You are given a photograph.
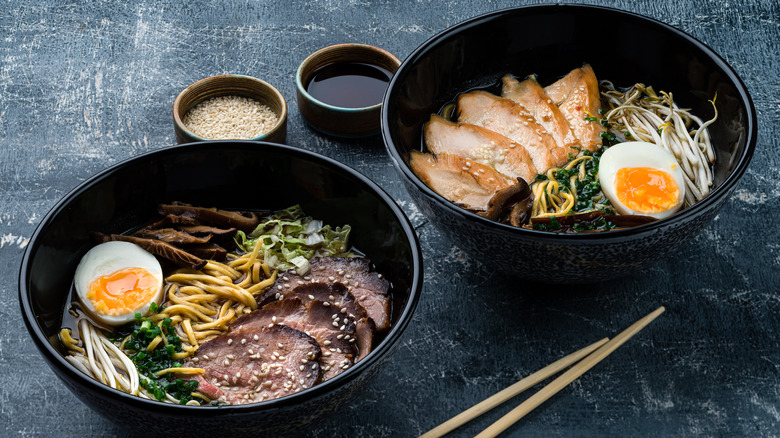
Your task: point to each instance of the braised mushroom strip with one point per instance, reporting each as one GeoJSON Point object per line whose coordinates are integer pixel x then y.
{"type": "Point", "coordinates": [288, 306]}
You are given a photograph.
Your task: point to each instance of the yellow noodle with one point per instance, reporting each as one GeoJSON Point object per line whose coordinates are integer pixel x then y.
{"type": "Point", "coordinates": [188, 330]}
{"type": "Point", "coordinates": [152, 345]}
{"type": "Point", "coordinates": [254, 290]}
{"type": "Point", "coordinates": [200, 334]}
{"type": "Point", "coordinates": [179, 370]}
{"type": "Point", "coordinates": [70, 343]}
{"type": "Point", "coordinates": [256, 272]}
{"type": "Point", "coordinates": [224, 269]}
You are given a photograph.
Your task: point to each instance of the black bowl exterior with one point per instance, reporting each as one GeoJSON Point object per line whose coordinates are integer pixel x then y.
{"type": "Point", "coordinates": [549, 41]}
{"type": "Point", "coordinates": [227, 174]}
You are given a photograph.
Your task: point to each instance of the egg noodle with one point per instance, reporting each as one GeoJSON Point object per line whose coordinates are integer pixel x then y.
{"type": "Point", "coordinates": [556, 198]}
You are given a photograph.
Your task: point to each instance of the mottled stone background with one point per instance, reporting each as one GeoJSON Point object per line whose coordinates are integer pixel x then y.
{"type": "Point", "coordinates": [84, 85]}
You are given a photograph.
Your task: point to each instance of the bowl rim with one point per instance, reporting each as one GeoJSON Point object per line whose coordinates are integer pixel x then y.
{"type": "Point", "coordinates": [392, 337]}
{"type": "Point", "coordinates": [277, 95]}
{"type": "Point", "coordinates": [714, 197]}
{"type": "Point", "coordinates": [341, 109]}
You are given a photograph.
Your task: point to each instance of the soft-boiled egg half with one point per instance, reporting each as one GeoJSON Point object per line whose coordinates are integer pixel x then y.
{"type": "Point", "coordinates": [642, 178]}
{"type": "Point", "coordinates": [116, 280]}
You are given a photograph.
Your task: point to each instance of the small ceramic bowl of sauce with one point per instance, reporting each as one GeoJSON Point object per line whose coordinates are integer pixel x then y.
{"type": "Point", "coordinates": [340, 88]}
{"type": "Point", "coordinates": [230, 107]}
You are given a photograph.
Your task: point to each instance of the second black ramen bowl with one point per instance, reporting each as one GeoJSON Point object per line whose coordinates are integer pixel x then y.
{"type": "Point", "coordinates": [549, 41]}
{"type": "Point", "coordinates": [228, 175]}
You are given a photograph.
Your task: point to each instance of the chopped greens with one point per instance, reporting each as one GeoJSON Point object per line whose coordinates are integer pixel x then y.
{"type": "Point", "coordinates": [139, 334]}
{"type": "Point", "coordinates": [289, 239]}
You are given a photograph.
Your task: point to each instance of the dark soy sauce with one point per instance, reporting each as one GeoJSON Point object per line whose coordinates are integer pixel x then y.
{"type": "Point", "coordinates": [349, 84]}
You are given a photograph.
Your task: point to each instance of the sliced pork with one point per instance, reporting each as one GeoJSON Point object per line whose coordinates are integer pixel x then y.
{"type": "Point", "coordinates": [480, 145]}
{"type": "Point", "coordinates": [577, 96]}
{"type": "Point", "coordinates": [253, 364]}
{"type": "Point", "coordinates": [333, 296]}
{"type": "Point", "coordinates": [331, 329]}
{"type": "Point", "coordinates": [513, 121]}
{"type": "Point", "coordinates": [532, 97]}
{"type": "Point", "coordinates": [369, 288]}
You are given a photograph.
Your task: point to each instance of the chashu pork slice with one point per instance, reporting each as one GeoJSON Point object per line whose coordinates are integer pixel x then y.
{"type": "Point", "coordinates": [481, 145]}
{"type": "Point", "coordinates": [532, 97]}
{"type": "Point", "coordinates": [514, 121]}
{"type": "Point", "coordinates": [257, 363]}
{"type": "Point", "coordinates": [370, 289]}
{"type": "Point", "coordinates": [462, 181]}
{"type": "Point", "coordinates": [332, 295]}
{"type": "Point", "coordinates": [577, 96]}
{"type": "Point", "coordinates": [314, 319]}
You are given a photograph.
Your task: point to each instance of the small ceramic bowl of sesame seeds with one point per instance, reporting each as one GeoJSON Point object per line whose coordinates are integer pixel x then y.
{"type": "Point", "coordinates": [230, 107]}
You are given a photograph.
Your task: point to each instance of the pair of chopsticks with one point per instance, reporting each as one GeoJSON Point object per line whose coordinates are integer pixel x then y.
{"type": "Point", "coordinates": [592, 355]}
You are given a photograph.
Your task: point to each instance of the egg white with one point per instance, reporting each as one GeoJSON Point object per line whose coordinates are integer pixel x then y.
{"type": "Point", "coordinates": [638, 154]}
{"type": "Point", "coordinates": [110, 257]}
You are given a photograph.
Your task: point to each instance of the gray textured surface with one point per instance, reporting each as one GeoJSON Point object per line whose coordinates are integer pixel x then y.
{"type": "Point", "coordinates": [84, 85]}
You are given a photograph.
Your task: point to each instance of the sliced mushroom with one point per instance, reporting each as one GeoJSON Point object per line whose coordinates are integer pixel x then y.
{"type": "Point", "coordinates": [512, 204]}
{"type": "Point", "coordinates": [221, 218]}
{"type": "Point", "coordinates": [171, 236]}
{"type": "Point", "coordinates": [164, 250]}
{"type": "Point", "coordinates": [205, 229]}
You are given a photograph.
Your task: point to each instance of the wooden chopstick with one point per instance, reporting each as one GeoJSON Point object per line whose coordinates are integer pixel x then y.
{"type": "Point", "coordinates": [513, 390]}
{"type": "Point", "coordinates": [569, 376]}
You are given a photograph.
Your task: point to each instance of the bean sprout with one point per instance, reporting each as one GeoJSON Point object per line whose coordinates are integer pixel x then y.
{"type": "Point", "coordinates": [101, 359]}
{"type": "Point", "coordinates": [642, 114]}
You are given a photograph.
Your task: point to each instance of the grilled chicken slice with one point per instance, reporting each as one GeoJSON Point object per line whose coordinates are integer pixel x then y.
{"type": "Point", "coordinates": [577, 96]}
{"type": "Point", "coordinates": [480, 145]}
{"type": "Point", "coordinates": [458, 179]}
{"type": "Point", "coordinates": [513, 121]}
{"type": "Point", "coordinates": [532, 97]}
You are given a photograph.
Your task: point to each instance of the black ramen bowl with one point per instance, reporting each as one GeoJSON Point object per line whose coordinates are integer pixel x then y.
{"type": "Point", "coordinates": [549, 41]}
{"type": "Point", "coordinates": [229, 175]}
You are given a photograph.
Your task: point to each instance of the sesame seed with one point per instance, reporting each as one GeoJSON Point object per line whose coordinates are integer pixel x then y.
{"type": "Point", "coordinates": [229, 341]}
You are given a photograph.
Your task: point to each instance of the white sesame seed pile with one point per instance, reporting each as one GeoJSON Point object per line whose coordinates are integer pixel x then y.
{"type": "Point", "coordinates": [230, 118]}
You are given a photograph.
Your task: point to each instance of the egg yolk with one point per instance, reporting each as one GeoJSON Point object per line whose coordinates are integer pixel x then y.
{"type": "Point", "coordinates": [646, 190]}
{"type": "Point", "coordinates": [123, 291]}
